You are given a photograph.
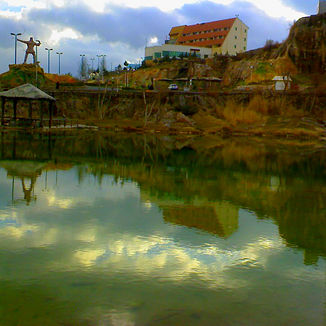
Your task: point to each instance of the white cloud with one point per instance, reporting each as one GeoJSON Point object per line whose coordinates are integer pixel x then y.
{"type": "Point", "coordinates": [153, 40]}
{"type": "Point", "coordinates": [66, 33]}
{"type": "Point", "coordinates": [272, 8]}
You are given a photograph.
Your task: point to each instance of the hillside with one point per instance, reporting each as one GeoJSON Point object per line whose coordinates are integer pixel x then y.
{"type": "Point", "coordinates": [302, 55]}
{"type": "Point", "coordinates": [23, 74]}
{"type": "Point", "coordinates": [29, 73]}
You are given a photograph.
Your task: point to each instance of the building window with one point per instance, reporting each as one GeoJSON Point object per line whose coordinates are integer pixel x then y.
{"type": "Point", "coordinates": [235, 46]}
{"type": "Point", "coordinates": [236, 28]}
{"type": "Point", "coordinates": [244, 48]}
{"type": "Point", "coordinates": [236, 37]}
{"type": "Point", "coordinates": [245, 39]}
{"type": "Point", "coordinates": [245, 31]}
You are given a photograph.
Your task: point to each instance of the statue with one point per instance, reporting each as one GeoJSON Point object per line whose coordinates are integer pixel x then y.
{"type": "Point", "coordinates": [30, 48]}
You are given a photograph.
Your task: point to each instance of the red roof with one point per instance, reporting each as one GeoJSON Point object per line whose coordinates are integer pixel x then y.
{"type": "Point", "coordinates": [208, 26]}
{"type": "Point", "coordinates": [208, 31]}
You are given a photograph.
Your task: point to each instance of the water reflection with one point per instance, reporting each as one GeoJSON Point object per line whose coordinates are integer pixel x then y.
{"type": "Point", "coordinates": [121, 230]}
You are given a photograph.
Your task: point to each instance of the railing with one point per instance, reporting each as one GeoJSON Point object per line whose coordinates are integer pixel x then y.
{"type": "Point", "coordinates": [40, 123]}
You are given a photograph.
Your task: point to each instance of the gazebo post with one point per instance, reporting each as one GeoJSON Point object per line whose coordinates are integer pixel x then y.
{"type": "Point", "coordinates": [15, 109]}
{"type": "Point", "coordinates": [50, 114]}
{"type": "Point", "coordinates": [3, 104]}
{"type": "Point", "coordinates": [41, 114]}
{"type": "Point", "coordinates": [30, 110]}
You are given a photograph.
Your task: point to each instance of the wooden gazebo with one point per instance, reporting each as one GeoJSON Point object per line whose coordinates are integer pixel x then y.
{"type": "Point", "coordinates": [29, 93]}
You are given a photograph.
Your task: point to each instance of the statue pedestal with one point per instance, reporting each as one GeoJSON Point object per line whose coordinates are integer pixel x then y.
{"type": "Point", "coordinates": [27, 68]}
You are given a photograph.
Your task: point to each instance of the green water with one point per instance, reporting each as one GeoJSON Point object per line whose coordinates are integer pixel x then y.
{"type": "Point", "coordinates": [126, 230]}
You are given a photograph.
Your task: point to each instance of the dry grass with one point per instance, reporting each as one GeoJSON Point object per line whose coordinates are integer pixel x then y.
{"type": "Point", "coordinates": [257, 110]}
{"type": "Point", "coordinates": [235, 113]}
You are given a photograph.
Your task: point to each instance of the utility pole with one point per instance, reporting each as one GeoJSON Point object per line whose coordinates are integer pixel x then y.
{"type": "Point", "coordinates": [15, 34]}
{"type": "Point", "coordinates": [59, 54]}
{"type": "Point", "coordinates": [49, 50]}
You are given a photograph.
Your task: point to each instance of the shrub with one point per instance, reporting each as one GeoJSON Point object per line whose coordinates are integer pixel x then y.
{"type": "Point", "coordinates": [187, 109]}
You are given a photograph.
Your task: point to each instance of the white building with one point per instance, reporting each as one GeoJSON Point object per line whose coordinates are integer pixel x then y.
{"type": "Point", "coordinates": [227, 36]}
{"type": "Point", "coordinates": [322, 7]}
{"type": "Point", "coordinates": [172, 50]}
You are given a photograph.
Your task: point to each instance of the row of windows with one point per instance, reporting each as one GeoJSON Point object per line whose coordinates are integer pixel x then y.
{"type": "Point", "coordinates": [209, 39]}
{"type": "Point", "coordinates": [211, 31]}
{"type": "Point", "coordinates": [244, 30]}
{"type": "Point", "coordinates": [208, 31]}
{"type": "Point", "coordinates": [203, 39]}
{"type": "Point", "coordinates": [243, 47]}
{"type": "Point", "coordinates": [172, 54]}
{"type": "Point", "coordinates": [236, 37]}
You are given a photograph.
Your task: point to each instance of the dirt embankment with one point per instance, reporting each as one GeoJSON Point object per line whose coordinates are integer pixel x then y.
{"type": "Point", "coordinates": [262, 114]}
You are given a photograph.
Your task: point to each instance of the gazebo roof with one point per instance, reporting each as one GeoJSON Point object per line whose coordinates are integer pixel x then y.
{"type": "Point", "coordinates": [27, 91]}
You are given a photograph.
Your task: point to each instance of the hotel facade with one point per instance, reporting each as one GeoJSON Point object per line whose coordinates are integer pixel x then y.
{"type": "Point", "coordinates": [203, 40]}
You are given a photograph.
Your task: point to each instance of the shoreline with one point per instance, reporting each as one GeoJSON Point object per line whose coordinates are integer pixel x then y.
{"type": "Point", "coordinates": [316, 133]}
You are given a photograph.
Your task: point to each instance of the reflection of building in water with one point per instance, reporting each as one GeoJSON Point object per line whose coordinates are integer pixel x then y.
{"type": "Point", "coordinates": [219, 218]}
{"type": "Point", "coordinates": [27, 172]}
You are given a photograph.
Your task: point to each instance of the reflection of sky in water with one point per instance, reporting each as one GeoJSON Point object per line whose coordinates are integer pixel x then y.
{"type": "Point", "coordinates": [107, 231]}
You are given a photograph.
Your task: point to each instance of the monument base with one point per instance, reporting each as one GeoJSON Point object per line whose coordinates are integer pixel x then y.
{"type": "Point", "coordinates": [26, 67]}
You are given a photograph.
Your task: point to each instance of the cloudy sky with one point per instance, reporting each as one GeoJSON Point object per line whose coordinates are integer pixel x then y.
{"type": "Point", "coordinates": [120, 29]}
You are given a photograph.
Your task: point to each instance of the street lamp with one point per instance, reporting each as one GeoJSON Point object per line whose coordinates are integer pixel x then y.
{"type": "Point", "coordinates": [98, 62]}
{"type": "Point", "coordinates": [82, 68]}
{"type": "Point", "coordinates": [15, 34]}
{"type": "Point", "coordinates": [36, 55]}
{"type": "Point", "coordinates": [59, 54]}
{"type": "Point", "coordinates": [103, 65]}
{"type": "Point", "coordinates": [92, 59]}
{"type": "Point", "coordinates": [49, 50]}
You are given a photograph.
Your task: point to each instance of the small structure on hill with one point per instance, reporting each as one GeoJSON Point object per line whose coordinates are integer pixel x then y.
{"type": "Point", "coordinates": [27, 93]}
{"type": "Point", "coordinates": [282, 83]}
{"type": "Point", "coordinates": [321, 7]}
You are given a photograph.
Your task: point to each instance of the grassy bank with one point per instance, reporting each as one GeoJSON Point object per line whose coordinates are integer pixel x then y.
{"type": "Point", "coordinates": [271, 116]}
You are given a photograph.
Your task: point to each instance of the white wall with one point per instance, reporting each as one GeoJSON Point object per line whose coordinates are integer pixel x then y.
{"type": "Point", "coordinates": [238, 36]}
{"type": "Point", "coordinates": [150, 51]}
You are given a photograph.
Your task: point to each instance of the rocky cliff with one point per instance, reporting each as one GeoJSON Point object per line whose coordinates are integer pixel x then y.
{"type": "Point", "coordinates": [306, 44]}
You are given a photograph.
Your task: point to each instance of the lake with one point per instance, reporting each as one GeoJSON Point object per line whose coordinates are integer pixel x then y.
{"type": "Point", "coordinates": [117, 229]}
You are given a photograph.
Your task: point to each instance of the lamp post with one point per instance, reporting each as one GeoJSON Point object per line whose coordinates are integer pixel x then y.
{"type": "Point", "coordinates": [36, 54]}
{"type": "Point", "coordinates": [92, 59]}
{"type": "Point", "coordinates": [98, 62]}
{"type": "Point", "coordinates": [82, 68]}
{"type": "Point", "coordinates": [103, 65]}
{"type": "Point", "coordinates": [49, 50]}
{"type": "Point", "coordinates": [15, 34]}
{"type": "Point", "coordinates": [59, 54]}
{"type": "Point", "coordinates": [36, 79]}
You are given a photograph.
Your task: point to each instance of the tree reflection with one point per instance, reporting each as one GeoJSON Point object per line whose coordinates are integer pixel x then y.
{"type": "Point", "coordinates": [196, 182]}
